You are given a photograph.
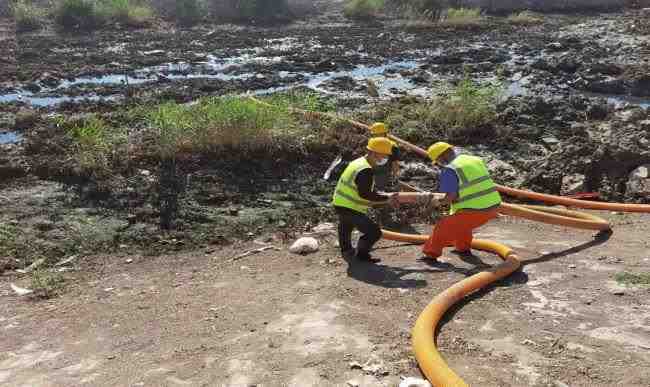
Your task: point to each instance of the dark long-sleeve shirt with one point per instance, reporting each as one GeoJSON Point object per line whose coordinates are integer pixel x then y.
{"type": "Point", "coordinates": [364, 182]}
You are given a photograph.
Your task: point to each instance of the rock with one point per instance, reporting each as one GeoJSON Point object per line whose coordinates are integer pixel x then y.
{"type": "Point", "coordinates": [558, 383]}
{"type": "Point", "coordinates": [45, 225]}
{"type": "Point", "coordinates": [35, 265]}
{"type": "Point", "coordinates": [605, 69]}
{"type": "Point", "coordinates": [25, 119]}
{"type": "Point", "coordinates": [618, 292]}
{"type": "Point", "coordinates": [304, 245]}
{"type": "Point", "coordinates": [550, 140]}
{"type": "Point", "coordinates": [638, 183]}
{"type": "Point", "coordinates": [631, 115]}
{"type": "Point", "coordinates": [130, 260]}
{"type": "Point", "coordinates": [414, 382]}
{"type": "Point", "coordinates": [154, 52]}
{"type": "Point", "coordinates": [573, 184]}
{"type": "Point", "coordinates": [66, 260]}
{"type": "Point", "coordinates": [353, 383]}
{"type": "Point", "coordinates": [355, 365]}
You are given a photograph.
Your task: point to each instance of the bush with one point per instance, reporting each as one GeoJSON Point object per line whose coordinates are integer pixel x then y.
{"type": "Point", "coordinates": [463, 17]}
{"type": "Point", "coordinates": [127, 12]}
{"type": "Point", "coordinates": [46, 284]}
{"type": "Point", "coordinates": [363, 9]}
{"type": "Point", "coordinates": [524, 18]}
{"type": "Point", "coordinates": [77, 15]}
{"type": "Point", "coordinates": [188, 12]}
{"type": "Point", "coordinates": [633, 278]}
{"type": "Point", "coordinates": [27, 16]}
{"type": "Point", "coordinates": [420, 9]}
{"type": "Point", "coordinates": [97, 146]}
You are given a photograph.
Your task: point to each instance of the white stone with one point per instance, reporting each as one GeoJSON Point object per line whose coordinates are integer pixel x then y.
{"type": "Point", "coordinates": [304, 245]}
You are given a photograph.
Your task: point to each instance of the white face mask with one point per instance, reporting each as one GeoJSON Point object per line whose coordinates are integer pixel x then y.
{"type": "Point", "coordinates": [381, 162]}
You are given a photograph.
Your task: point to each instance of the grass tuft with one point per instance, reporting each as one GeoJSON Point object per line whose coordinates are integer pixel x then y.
{"type": "Point", "coordinates": [27, 16]}
{"type": "Point", "coordinates": [463, 17]}
{"type": "Point", "coordinates": [633, 278]}
{"type": "Point", "coordinates": [525, 18]}
{"type": "Point", "coordinates": [363, 9]}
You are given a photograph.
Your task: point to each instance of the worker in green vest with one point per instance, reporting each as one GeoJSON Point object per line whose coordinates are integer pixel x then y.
{"type": "Point", "coordinates": [386, 176]}
{"type": "Point", "coordinates": [471, 194]}
{"type": "Point", "coordinates": [354, 195]}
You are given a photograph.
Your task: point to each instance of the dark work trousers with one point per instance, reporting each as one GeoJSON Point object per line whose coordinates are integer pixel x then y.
{"type": "Point", "coordinates": [348, 221]}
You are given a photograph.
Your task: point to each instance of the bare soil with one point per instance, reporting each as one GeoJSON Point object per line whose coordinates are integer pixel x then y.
{"type": "Point", "coordinates": [274, 318]}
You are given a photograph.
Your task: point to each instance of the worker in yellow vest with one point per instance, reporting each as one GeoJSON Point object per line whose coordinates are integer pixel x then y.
{"type": "Point", "coordinates": [472, 195]}
{"type": "Point", "coordinates": [354, 195]}
{"type": "Point", "coordinates": [386, 176]}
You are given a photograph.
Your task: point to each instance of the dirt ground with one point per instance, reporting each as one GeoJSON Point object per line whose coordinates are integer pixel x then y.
{"type": "Point", "coordinates": [277, 319]}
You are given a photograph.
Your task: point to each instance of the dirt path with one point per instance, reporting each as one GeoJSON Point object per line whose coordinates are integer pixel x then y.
{"type": "Point", "coordinates": [278, 319]}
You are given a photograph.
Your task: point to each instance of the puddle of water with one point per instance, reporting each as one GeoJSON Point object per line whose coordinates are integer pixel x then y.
{"type": "Point", "coordinates": [619, 100]}
{"type": "Point", "coordinates": [10, 138]}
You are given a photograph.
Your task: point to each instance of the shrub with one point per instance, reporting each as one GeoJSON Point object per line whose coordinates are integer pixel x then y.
{"type": "Point", "coordinates": [97, 146]}
{"type": "Point", "coordinates": [46, 284]}
{"type": "Point", "coordinates": [463, 17]}
{"type": "Point", "coordinates": [77, 15]}
{"type": "Point", "coordinates": [524, 18]}
{"type": "Point", "coordinates": [420, 9]}
{"type": "Point", "coordinates": [127, 12]}
{"type": "Point", "coordinates": [363, 9]}
{"type": "Point", "coordinates": [27, 16]}
{"type": "Point", "coordinates": [188, 12]}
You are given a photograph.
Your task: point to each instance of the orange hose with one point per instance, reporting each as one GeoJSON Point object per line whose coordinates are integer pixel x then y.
{"type": "Point", "coordinates": [431, 362]}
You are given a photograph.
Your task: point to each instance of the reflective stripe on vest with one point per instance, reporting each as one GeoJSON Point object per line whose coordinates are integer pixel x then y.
{"type": "Point", "coordinates": [346, 193]}
{"type": "Point", "coordinates": [476, 190]}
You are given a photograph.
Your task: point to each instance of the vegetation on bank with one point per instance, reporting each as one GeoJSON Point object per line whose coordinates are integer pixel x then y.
{"type": "Point", "coordinates": [27, 16]}
{"type": "Point", "coordinates": [363, 9]}
{"type": "Point", "coordinates": [463, 111]}
{"type": "Point", "coordinates": [525, 18]}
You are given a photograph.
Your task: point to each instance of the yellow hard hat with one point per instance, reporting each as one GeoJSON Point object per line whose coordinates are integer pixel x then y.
{"type": "Point", "coordinates": [378, 128]}
{"type": "Point", "coordinates": [437, 149]}
{"type": "Point", "coordinates": [380, 145]}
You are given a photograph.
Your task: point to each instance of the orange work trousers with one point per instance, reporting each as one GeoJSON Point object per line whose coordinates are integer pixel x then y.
{"type": "Point", "coordinates": [456, 230]}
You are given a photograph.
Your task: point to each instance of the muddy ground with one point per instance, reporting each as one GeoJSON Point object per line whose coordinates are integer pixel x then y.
{"type": "Point", "coordinates": [573, 118]}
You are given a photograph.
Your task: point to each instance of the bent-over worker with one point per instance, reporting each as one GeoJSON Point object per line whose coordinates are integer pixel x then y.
{"type": "Point", "coordinates": [354, 195]}
{"type": "Point", "coordinates": [471, 193]}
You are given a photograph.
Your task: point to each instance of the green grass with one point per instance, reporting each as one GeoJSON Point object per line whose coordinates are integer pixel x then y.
{"type": "Point", "coordinates": [27, 16]}
{"type": "Point", "coordinates": [8, 238]}
{"type": "Point", "coordinates": [218, 123]}
{"type": "Point", "coordinates": [97, 145]}
{"type": "Point", "coordinates": [362, 9]}
{"type": "Point", "coordinates": [46, 284]}
{"type": "Point", "coordinates": [463, 17]}
{"type": "Point", "coordinates": [189, 12]}
{"type": "Point", "coordinates": [462, 113]}
{"type": "Point", "coordinates": [633, 278]}
{"type": "Point", "coordinates": [77, 15]}
{"type": "Point", "coordinates": [128, 12]}
{"type": "Point", "coordinates": [525, 18]}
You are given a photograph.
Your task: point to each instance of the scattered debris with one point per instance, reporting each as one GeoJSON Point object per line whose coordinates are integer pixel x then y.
{"type": "Point", "coordinates": [66, 261]}
{"type": "Point", "coordinates": [254, 251]}
{"type": "Point", "coordinates": [21, 291]}
{"type": "Point", "coordinates": [304, 245]}
{"type": "Point", "coordinates": [32, 267]}
{"type": "Point", "coordinates": [414, 382]}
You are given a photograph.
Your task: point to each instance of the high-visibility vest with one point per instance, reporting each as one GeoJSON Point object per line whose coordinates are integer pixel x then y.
{"type": "Point", "coordinates": [476, 190]}
{"type": "Point", "coordinates": [346, 193]}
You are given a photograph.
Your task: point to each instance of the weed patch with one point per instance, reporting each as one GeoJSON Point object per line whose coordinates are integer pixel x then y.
{"type": "Point", "coordinates": [525, 18]}
{"type": "Point", "coordinates": [27, 16]}
{"type": "Point", "coordinates": [46, 284]}
{"type": "Point", "coordinates": [363, 9]}
{"type": "Point", "coordinates": [462, 17]}
{"type": "Point", "coordinates": [633, 278]}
